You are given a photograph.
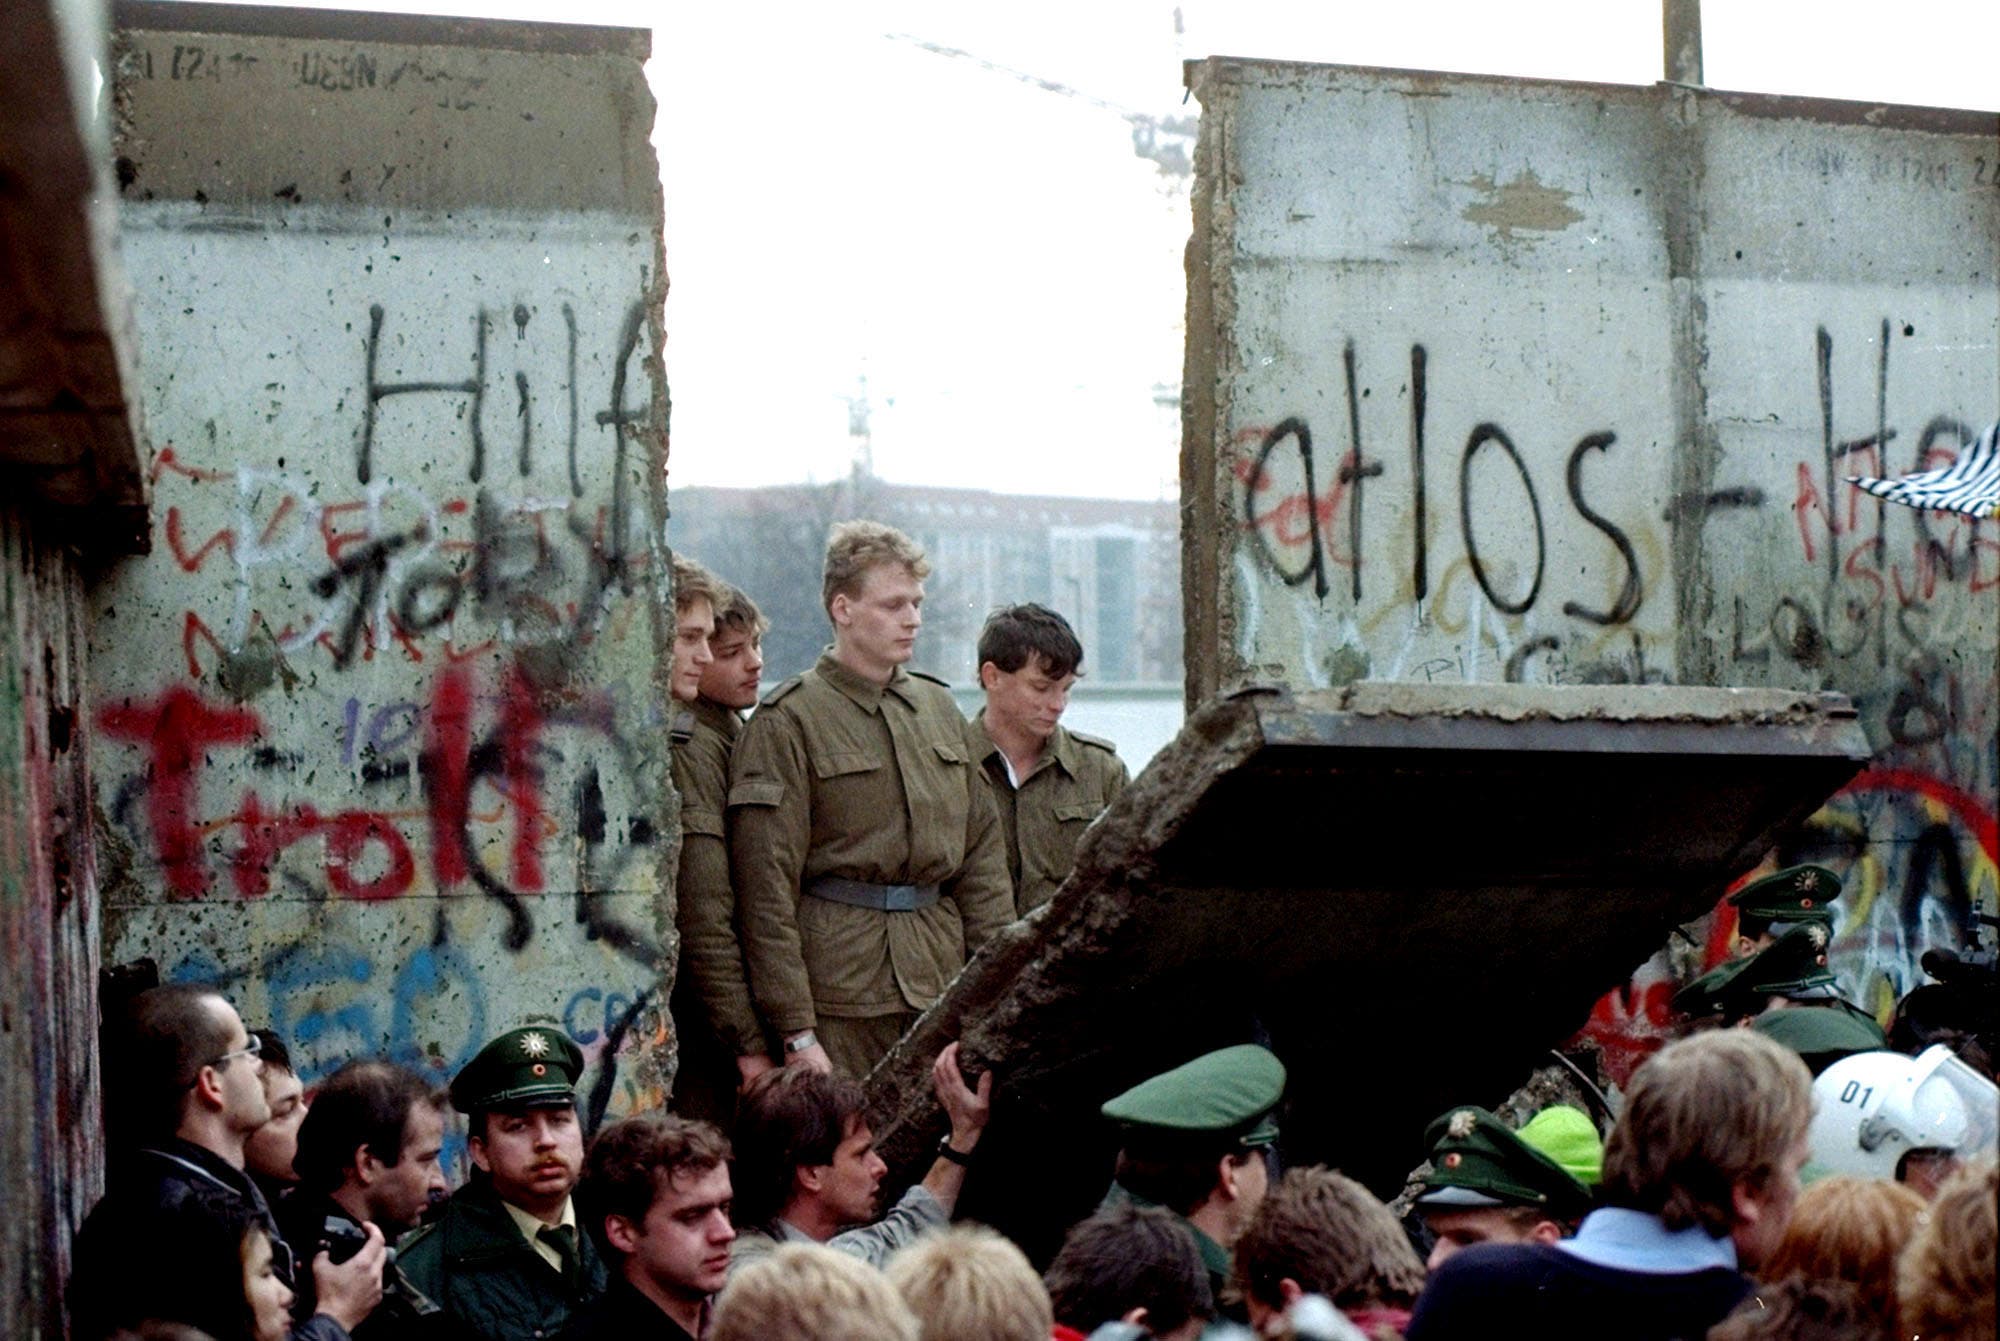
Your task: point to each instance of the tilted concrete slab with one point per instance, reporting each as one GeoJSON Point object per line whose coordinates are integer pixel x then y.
{"type": "Point", "coordinates": [1411, 891]}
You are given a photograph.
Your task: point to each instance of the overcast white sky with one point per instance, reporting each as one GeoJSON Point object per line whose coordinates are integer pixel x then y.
{"type": "Point", "coordinates": [992, 255]}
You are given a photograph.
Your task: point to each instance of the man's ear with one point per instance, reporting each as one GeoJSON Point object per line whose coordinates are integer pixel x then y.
{"type": "Point", "coordinates": [367, 1168]}
{"type": "Point", "coordinates": [1225, 1177]}
{"type": "Point", "coordinates": [1289, 1292]}
{"type": "Point", "coordinates": [989, 676]}
{"type": "Point", "coordinates": [807, 1179]}
{"type": "Point", "coordinates": [1745, 946]}
{"type": "Point", "coordinates": [1546, 1231]}
{"type": "Point", "coordinates": [477, 1149]}
{"type": "Point", "coordinates": [1746, 1202]}
{"type": "Point", "coordinates": [207, 1088]}
{"type": "Point", "coordinates": [622, 1234]}
{"type": "Point", "coordinates": [839, 608]}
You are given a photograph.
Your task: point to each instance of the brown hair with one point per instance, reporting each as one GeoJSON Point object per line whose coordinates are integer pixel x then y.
{"type": "Point", "coordinates": [692, 583]}
{"type": "Point", "coordinates": [790, 1118]}
{"type": "Point", "coordinates": [1328, 1233]}
{"type": "Point", "coordinates": [1945, 1283]}
{"type": "Point", "coordinates": [854, 547]}
{"type": "Point", "coordinates": [1803, 1310]}
{"type": "Point", "coordinates": [631, 1158]}
{"type": "Point", "coordinates": [365, 1103]}
{"type": "Point", "coordinates": [967, 1281]}
{"type": "Point", "coordinates": [1126, 1257]}
{"type": "Point", "coordinates": [1850, 1229]}
{"type": "Point", "coordinates": [735, 612]}
{"type": "Point", "coordinates": [155, 1052]}
{"type": "Point", "coordinates": [1703, 1114]}
{"type": "Point", "coordinates": [807, 1292]}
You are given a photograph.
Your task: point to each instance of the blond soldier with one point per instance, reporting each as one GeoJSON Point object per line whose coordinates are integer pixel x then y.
{"type": "Point", "coordinates": [865, 848]}
{"type": "Point", "coordinates": [1048, 782]}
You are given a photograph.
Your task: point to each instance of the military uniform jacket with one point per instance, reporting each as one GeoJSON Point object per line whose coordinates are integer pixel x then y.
{"type": "Point", "coordinates": [1069, 786]}
{"type": "Point", "coordinates": [711, 963]}
{"type": "Point", "coordinates": [486, 1280]}
{"type": "Point", "coordinates": [837, 776]}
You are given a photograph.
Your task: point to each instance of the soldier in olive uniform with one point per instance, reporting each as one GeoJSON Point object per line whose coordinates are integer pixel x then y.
{"type": "Point", "coordinates": [720, 1041]}
{"type": "Point", "coordinates": [505, 1261]}
{"type": "Point", "coordinates": [1048, 782]}
{"type": "Point", "coordinates": [866, 853]}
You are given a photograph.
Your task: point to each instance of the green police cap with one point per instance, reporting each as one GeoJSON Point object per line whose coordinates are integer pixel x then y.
{"type": "Point", "coordinates": [1793, 965]}
{"type": "Point", "coordinates": [1477, 1160]}
{"type": "Point", "coordinates": [1567, 1136]}
{"type": "Point", "coordinates": [1229, 1093]}
{"type": "Point", "coordinates": [1795, 894]}
{"type": "Point", "coordinates": [1707, 994]}
{"type": "Point", "coordinates": [533, 1067]}
{"type": "Point", "coordinates": [1822, 1035]}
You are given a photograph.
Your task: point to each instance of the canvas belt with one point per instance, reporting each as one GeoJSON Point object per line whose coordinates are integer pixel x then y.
{"type": "Point", "coordinates": [862, 894]}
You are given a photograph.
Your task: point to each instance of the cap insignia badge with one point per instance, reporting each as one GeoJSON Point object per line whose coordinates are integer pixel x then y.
{"type": "Point", "coordinates": [1460, 1125]}
{"type": "Point", "coordinates": [534, 1045]}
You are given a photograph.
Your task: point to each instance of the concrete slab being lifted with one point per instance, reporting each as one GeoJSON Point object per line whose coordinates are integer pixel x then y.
{"type": "Point", "coordinates": [1409, 891]}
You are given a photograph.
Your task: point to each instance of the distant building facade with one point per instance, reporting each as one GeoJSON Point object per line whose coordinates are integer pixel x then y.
{"type": "Point", "coordinates": [1110, 566]}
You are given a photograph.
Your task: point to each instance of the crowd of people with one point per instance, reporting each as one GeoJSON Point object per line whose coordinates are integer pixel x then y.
{"type": "Point", "coordinates": [1781, 1171]}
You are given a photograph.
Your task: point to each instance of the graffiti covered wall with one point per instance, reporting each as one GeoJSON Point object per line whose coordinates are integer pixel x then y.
{"type": "Point", "coordinates": [1507, 381]}
{"type": "Point", "coordinates": [380, 743]}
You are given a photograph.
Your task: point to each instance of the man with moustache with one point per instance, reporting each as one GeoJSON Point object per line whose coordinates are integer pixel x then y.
{"type": "Point", "coordinates": [864, 845]}
{"type": "Point", "coordinates": [658, 1188]}
{"type": "Point", "coordinates": [505, 1260]}
{"type": "Point", "coordinates": [368, 1155]}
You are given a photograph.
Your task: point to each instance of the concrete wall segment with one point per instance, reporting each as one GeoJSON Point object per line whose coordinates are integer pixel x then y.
{"type": "Point", "coordinates": [382, 721]}
{"type": "Point", "coordinates": [1502, 380]}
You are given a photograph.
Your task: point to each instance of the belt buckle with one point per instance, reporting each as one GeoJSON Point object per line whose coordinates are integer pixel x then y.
{"type": "Point", "coordinates": [900, 899]}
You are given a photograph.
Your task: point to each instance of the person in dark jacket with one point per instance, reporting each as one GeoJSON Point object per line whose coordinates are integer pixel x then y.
{"type": "Point", "coordinates": [658, 1187]}
{"type": "Point", "coordinates": [183, 1073]}
{"type": "Point", "coordinates": [1700, 1178]}
{"type": "Point", "coordinates": [506, 1259]}
{"type": "Point", "coordinates": [367, 1155]}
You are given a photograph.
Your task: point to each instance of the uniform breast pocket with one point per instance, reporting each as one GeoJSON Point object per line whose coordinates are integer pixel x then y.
{"type": "Point", "coordinates": [1078, 813]}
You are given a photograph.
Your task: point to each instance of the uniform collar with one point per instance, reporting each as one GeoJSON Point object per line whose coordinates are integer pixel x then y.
{"type": "Point", "coordinates": [717, 718]}
{"type": "Point", "coordinates": [1061, 748]}
{"type": "Point", "coordinates": [865, 693]}
{"type": "Point", "coordinates": [530, 1225]}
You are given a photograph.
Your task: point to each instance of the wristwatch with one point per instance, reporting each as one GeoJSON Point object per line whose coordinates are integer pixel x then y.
{"type": "Point", "coordinates": [806, 1040]}
{"type": "Point", "coordinates": [946, 1151]}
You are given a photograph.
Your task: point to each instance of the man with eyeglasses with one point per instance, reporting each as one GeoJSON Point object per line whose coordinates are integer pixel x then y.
{"type": "Point", "coordinates": [184, 1090]}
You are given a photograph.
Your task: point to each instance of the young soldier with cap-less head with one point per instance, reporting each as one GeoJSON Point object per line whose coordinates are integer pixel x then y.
{"type": "Point", "coordinates": [1490, 1184]}
{"type": "Point", "coordinates": [267, 1155]}
{"type": "Point", "coordinates": [368, 1155]}
{"type": "Point", "coordinates": [505, 1259]}
{"type": "Point", "coordinates": [1048, 782]}
{"type": "Point", "coordinates": [865, 849]}
{"type": "Point", "coordinates": [1197, 1140]}
{"type": "Point", "coordinates": [659, 1188]}
{"type": "Point", "coordinates": [721, 1043]}
{"type": "Point", "coordinates": [807, 1172]}
{"type": "Point", "coordinates": [734, 678]}
{"type": "Point", "coordinates": [182, 1077]}
{"type": "Point", "coordinates": [1700, 1178]}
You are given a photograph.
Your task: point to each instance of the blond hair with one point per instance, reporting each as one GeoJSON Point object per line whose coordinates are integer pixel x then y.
{"type": "Point", "coordinates": [854, 547]}
{"type": "Point", "coordinates": [1702, 1115]}
{"type": "Point", "coordinates": [1850, 1229]}
{"type": "Point", "coordinates": [1945, 1283]}
{"type": "Point", "coordinates": [970, 1282]}
{"type": "Point", "coordinates": [807, 1292]}
{"type": "Point", "coordinates": [692, 583]}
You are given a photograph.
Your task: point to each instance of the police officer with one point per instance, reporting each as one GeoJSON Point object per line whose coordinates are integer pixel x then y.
{"type": "Point", "coordinates": [1765, 908]}
{"type": "Point", "coordinates": [1490, 1184]}
{"type": "Point", "coordinates": [1048, 782]}
{"type": "Point", "coordinates": [1790, 972]}
{"type": "Point", "coordinates": [865, 849]}
{"type": "Point", "coordinates": [505, 1260]}
{"type": "Point", "coordinates": [1197, 1140]}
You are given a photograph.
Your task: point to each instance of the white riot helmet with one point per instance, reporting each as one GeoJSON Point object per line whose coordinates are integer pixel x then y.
{"type": "Point", "coordinates": [1873, 1108]}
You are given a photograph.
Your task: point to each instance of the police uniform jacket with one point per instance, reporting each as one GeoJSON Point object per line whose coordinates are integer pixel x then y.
{"type": "Point", "coordinates": [838, 776]}
{"type": "Point", "coordinates": [711, 963]}
{"type": "Point", "coordinates": [1040, 821]}
{"type": "Point", "coordinates": [486, 1279]}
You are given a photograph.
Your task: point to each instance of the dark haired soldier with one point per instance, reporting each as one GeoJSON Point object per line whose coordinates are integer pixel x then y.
{"type": "Point", "coordinates": [1048, 782]}
{"type": "Point", "coordinates": [658, 1187]}
{"type": "Point", "coordinates": [505, 1259]}
{"type": "Point", "coordinates": [368, 1155]}
{"type": "Point", "coordinates": [1197, 1140]}
{"type": "Point", "coordinates": [182, 1072]}
{"type": "Point", "coordinates": [807, 1172]}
